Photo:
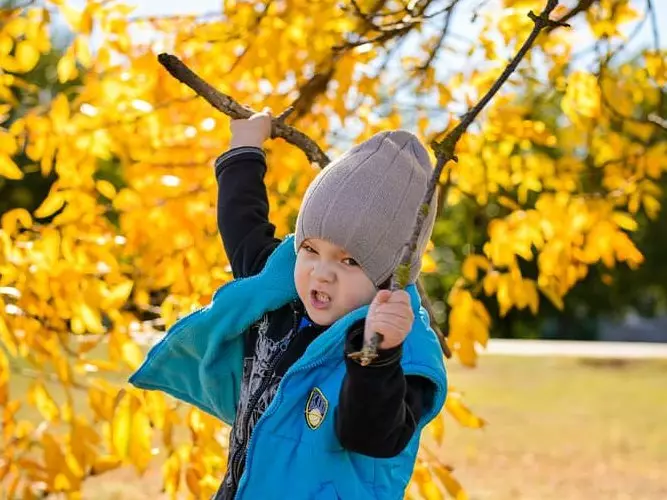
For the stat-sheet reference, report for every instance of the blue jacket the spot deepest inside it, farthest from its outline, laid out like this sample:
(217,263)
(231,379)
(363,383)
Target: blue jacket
(291,454)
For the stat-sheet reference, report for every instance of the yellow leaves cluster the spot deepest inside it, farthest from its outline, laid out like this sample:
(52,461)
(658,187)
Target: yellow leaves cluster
(607,16)
(469,322)
(656,66)
(582,97)
(23,39)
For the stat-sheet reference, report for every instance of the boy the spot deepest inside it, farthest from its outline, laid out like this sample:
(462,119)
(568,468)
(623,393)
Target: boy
(269,354)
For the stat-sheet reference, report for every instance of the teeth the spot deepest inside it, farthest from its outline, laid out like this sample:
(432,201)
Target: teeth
(322,297)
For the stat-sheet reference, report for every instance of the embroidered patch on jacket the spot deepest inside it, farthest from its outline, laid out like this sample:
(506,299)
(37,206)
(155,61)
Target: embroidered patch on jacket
(316,408)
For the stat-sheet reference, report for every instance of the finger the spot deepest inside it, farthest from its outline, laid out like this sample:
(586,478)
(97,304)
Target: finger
(388,330)
(400,324)
(393,313)
(382,296)
(400,296)
(396,306)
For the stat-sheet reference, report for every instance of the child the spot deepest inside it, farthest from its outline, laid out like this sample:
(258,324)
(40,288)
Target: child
(269,353)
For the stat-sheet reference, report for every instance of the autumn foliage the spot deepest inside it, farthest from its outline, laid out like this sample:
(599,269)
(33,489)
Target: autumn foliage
(126,240)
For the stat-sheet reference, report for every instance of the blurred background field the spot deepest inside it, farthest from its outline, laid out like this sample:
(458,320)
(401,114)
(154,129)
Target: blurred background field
(558,429)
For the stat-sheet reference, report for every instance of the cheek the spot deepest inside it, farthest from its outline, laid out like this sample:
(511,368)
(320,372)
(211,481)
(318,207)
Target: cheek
(300,274)
(363,291)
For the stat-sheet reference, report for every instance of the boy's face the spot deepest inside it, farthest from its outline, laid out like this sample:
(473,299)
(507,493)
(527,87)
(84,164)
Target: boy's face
(329,282)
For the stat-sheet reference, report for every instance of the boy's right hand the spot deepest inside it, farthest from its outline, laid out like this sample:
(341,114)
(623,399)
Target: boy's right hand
(252,131)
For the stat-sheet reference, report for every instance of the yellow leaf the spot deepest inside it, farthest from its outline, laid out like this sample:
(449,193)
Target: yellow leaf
(453,487)
(132,354)
(490,282)
(651,206)
(471,265)
(27,55)
(63,370)
(624,221)
(62,482)
(106,189)
(504,294)
(42,400)
(555,299)
(192,479)
(582,96)
(10,220)
(101,400)
(140,448)
(118,295)
(437,428)
(4,378)
(66,67)
(428,264)
(59,112)
(71,15)
(427,488)
(156,407)
(105,463)
(466,352)
(508,203)
(482,313)
(73,465)
(462,414)
(53,202)
(9,169)
(171,473)
(121,426)
(90,317)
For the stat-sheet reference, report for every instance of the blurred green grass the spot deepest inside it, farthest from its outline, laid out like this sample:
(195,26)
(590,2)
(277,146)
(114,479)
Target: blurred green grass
(558,428)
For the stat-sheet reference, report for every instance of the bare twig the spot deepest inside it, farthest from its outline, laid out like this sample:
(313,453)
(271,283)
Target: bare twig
(324,71)
(233,109)
(656,120)
(582,6)
(443,34)
(654,24)
(258,22)
(444,152)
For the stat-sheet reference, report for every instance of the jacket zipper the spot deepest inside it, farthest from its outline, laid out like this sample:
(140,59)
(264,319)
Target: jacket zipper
(319,360)
(238,455)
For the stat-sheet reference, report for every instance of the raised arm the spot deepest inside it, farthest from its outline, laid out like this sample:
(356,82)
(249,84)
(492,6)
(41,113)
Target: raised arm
(243,205)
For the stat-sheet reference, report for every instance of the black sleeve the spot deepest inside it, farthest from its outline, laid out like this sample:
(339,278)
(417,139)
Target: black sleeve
(243,210)
(379,407)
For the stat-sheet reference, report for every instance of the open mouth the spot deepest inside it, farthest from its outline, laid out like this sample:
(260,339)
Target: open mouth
(319,300)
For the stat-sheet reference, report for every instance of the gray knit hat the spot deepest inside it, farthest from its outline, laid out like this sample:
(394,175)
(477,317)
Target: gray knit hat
(366,201)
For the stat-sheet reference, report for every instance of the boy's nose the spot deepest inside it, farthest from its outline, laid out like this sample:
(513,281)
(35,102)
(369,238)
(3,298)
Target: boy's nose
(323,272)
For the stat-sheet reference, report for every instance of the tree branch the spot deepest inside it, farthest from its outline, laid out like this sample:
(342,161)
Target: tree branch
(449,12)
(582,6)
(236,111)
(444,152)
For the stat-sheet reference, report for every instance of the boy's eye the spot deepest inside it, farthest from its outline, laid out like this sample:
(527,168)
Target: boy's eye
(308,248)
(350,261)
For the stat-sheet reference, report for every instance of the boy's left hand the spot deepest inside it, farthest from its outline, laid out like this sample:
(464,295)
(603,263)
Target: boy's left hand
(390,314)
